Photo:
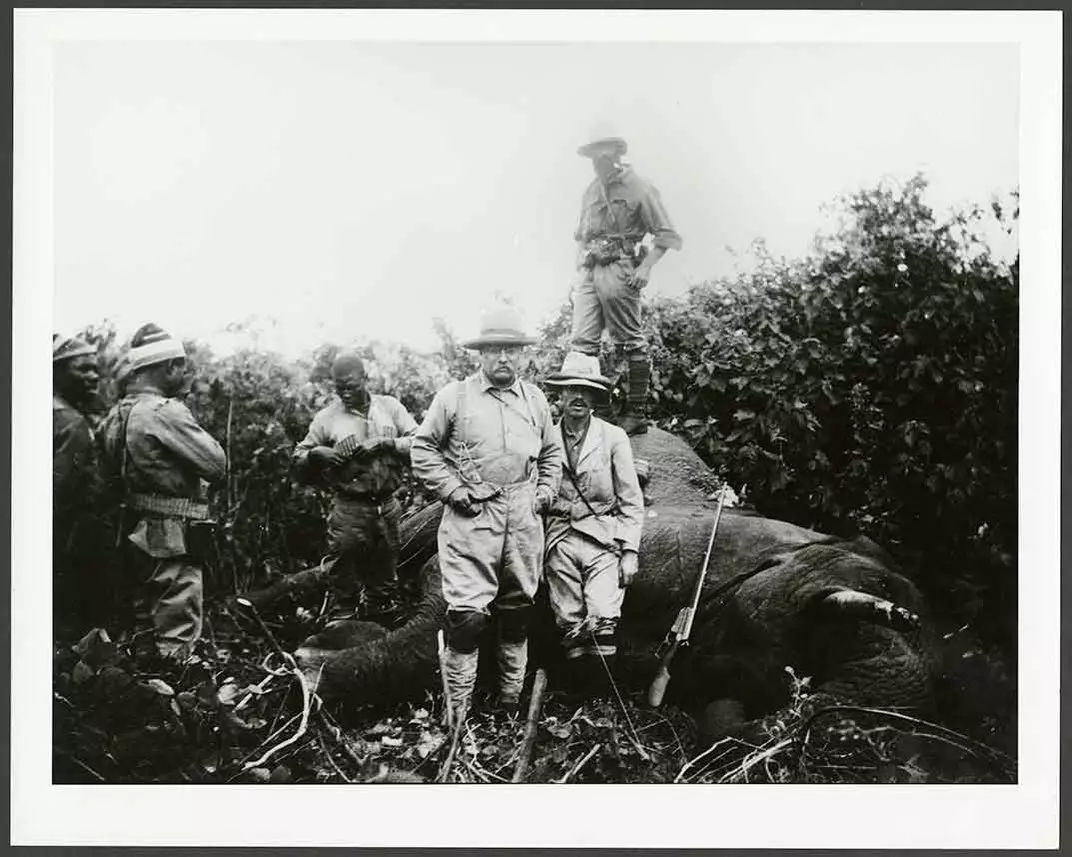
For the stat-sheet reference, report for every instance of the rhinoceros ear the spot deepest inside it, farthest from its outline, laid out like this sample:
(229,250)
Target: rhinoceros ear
(869,608)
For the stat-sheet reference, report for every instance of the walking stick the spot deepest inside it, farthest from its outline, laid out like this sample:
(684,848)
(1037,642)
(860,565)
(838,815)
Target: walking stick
(539,684)
(448,708)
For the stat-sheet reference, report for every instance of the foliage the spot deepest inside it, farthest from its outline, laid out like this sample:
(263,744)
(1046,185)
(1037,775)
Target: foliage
(870,387)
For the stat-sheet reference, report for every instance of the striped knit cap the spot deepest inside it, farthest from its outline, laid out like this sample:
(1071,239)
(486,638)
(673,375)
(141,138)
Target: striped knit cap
(149,346)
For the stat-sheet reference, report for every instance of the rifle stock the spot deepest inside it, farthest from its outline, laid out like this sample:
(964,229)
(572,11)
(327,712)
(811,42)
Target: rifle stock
(657,690)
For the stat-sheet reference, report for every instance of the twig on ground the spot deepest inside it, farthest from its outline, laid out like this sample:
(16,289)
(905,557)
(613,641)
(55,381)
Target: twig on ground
(260,689)
(444,772)
(752,761)
(576,768)
(539,684)
(693,762)
(307,703)
(87,769)
(327,752)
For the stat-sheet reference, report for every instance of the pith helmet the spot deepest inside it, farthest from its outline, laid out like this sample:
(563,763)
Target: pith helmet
(580,370)
(149,346)
(603,134)
(500,326)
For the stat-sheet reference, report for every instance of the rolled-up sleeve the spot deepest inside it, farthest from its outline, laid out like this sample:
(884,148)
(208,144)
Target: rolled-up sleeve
(429,443)
(180,433)
(657,220)
(627,490)
(316,436)
(405,425)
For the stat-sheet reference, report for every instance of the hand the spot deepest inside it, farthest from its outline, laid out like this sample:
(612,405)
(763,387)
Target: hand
(627,568)
(640,277)
(367,447)
(325,456)
(541,500)
(466,499)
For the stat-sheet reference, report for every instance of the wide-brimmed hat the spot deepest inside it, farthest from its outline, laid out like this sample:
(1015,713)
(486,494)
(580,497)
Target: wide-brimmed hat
(67,348)
(500,326)
(580,370)
(600,135)
(149,346)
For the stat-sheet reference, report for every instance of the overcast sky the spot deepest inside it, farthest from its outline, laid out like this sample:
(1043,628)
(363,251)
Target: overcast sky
(352,190)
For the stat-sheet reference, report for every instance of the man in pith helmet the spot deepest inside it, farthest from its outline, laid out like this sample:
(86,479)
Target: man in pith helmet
(163,460)
(487,448)
(624,230)
(593,526)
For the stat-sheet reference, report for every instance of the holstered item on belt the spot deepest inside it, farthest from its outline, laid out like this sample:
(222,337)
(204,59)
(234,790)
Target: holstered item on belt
(172,507)
(201,542)
(604,250)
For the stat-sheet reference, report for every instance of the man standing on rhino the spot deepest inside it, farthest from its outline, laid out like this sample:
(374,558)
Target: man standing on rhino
(488,450)
(618,211)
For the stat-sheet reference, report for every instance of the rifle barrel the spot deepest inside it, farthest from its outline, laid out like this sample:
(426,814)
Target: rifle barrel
(703,568)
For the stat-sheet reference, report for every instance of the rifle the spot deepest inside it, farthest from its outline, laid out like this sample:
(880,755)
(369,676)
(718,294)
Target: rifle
(679,633)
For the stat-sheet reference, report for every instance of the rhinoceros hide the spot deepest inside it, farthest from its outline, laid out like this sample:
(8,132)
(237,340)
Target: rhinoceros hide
(831,609)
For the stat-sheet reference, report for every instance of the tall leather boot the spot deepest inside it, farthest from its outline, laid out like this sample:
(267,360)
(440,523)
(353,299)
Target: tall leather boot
(635,418)
(461,679)
(513,658)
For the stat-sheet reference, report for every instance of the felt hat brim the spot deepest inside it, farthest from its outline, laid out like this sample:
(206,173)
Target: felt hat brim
(587,149)
(598,382)
(498,339)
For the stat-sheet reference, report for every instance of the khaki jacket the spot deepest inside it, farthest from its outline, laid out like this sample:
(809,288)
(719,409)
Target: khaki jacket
(606,475)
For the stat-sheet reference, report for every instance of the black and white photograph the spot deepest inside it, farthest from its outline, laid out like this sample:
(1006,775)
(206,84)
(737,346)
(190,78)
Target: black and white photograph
(468,401)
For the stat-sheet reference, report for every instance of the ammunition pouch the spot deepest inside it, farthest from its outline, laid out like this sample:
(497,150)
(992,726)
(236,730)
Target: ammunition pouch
(603,251)
(174,507)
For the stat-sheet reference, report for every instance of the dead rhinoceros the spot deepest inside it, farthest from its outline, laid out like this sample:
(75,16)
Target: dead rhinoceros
(776,595)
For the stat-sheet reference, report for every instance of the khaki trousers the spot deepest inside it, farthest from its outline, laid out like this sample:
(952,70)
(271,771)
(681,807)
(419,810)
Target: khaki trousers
(493,557)
(604,299)
(171,600)
(582,582)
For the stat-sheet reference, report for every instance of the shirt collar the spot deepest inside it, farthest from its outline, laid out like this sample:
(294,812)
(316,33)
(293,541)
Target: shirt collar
(143,385)
(341,405)
(580,432)
(486,384)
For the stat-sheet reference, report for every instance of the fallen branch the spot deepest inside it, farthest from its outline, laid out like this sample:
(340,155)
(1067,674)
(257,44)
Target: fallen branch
(576,768)
(752,761)
(695,761)
(307,702)
(444,772)
(539,684)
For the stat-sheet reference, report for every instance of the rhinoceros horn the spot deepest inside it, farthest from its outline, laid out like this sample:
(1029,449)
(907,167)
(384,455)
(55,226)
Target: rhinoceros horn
(849,602)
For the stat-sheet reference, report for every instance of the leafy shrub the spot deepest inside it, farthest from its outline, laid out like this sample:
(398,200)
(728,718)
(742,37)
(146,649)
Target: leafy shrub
(869,387)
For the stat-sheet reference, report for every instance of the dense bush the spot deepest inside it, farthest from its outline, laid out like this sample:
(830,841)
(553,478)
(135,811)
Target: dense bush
(868,387)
